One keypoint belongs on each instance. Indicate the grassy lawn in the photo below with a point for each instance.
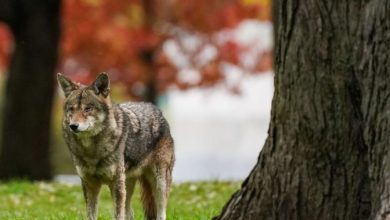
(44, 201)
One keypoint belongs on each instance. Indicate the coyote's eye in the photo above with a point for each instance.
(69, 109)
(88, 109)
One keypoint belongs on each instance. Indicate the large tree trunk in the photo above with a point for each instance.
(328, 113)
(29, 89)
(375, 77)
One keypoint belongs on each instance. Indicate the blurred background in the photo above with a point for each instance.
(206, 64)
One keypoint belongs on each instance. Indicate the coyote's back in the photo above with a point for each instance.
(146, 126)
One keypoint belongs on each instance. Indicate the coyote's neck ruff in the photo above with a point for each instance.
(117, 144)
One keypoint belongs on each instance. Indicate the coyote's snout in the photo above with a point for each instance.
(83, 117)
(117, 145)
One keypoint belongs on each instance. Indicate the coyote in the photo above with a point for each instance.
(116, 145)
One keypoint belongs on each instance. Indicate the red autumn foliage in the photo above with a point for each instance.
(125, 38)
(5, 46)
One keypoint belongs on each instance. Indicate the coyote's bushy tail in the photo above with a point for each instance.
(148, 199)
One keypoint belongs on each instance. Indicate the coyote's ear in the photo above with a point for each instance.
(101, 86)
(66, 84)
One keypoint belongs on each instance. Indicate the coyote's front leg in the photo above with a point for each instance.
(118, 194)
(91, 195)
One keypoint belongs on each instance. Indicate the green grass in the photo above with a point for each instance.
(48, 201)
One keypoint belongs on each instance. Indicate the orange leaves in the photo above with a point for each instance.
(134, 16)
(101, 35)
(265, 63)
(210, 74)
(207, 16)
(6, 46)
(127, 37)
(229, 52)
(259, 9)
(95, 3)
(145, 39)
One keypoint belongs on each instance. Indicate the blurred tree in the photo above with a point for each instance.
(326, 156)
(29, 89)
(5, 46)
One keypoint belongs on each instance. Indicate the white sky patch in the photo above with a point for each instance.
(257, 38)
(189, 75)
(233, 74)
(191, 42)
(255, 33)
(175, 55)
(206, 55)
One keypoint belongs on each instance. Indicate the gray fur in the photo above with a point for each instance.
(116, 145)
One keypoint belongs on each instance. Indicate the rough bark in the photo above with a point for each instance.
(314, 164)
(29, 89)
(375, 79)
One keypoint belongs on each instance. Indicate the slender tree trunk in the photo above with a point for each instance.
(29, 90)
(148, 55)
(314, 164)
(151, 93)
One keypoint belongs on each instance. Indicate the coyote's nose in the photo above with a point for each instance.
(74, 126)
